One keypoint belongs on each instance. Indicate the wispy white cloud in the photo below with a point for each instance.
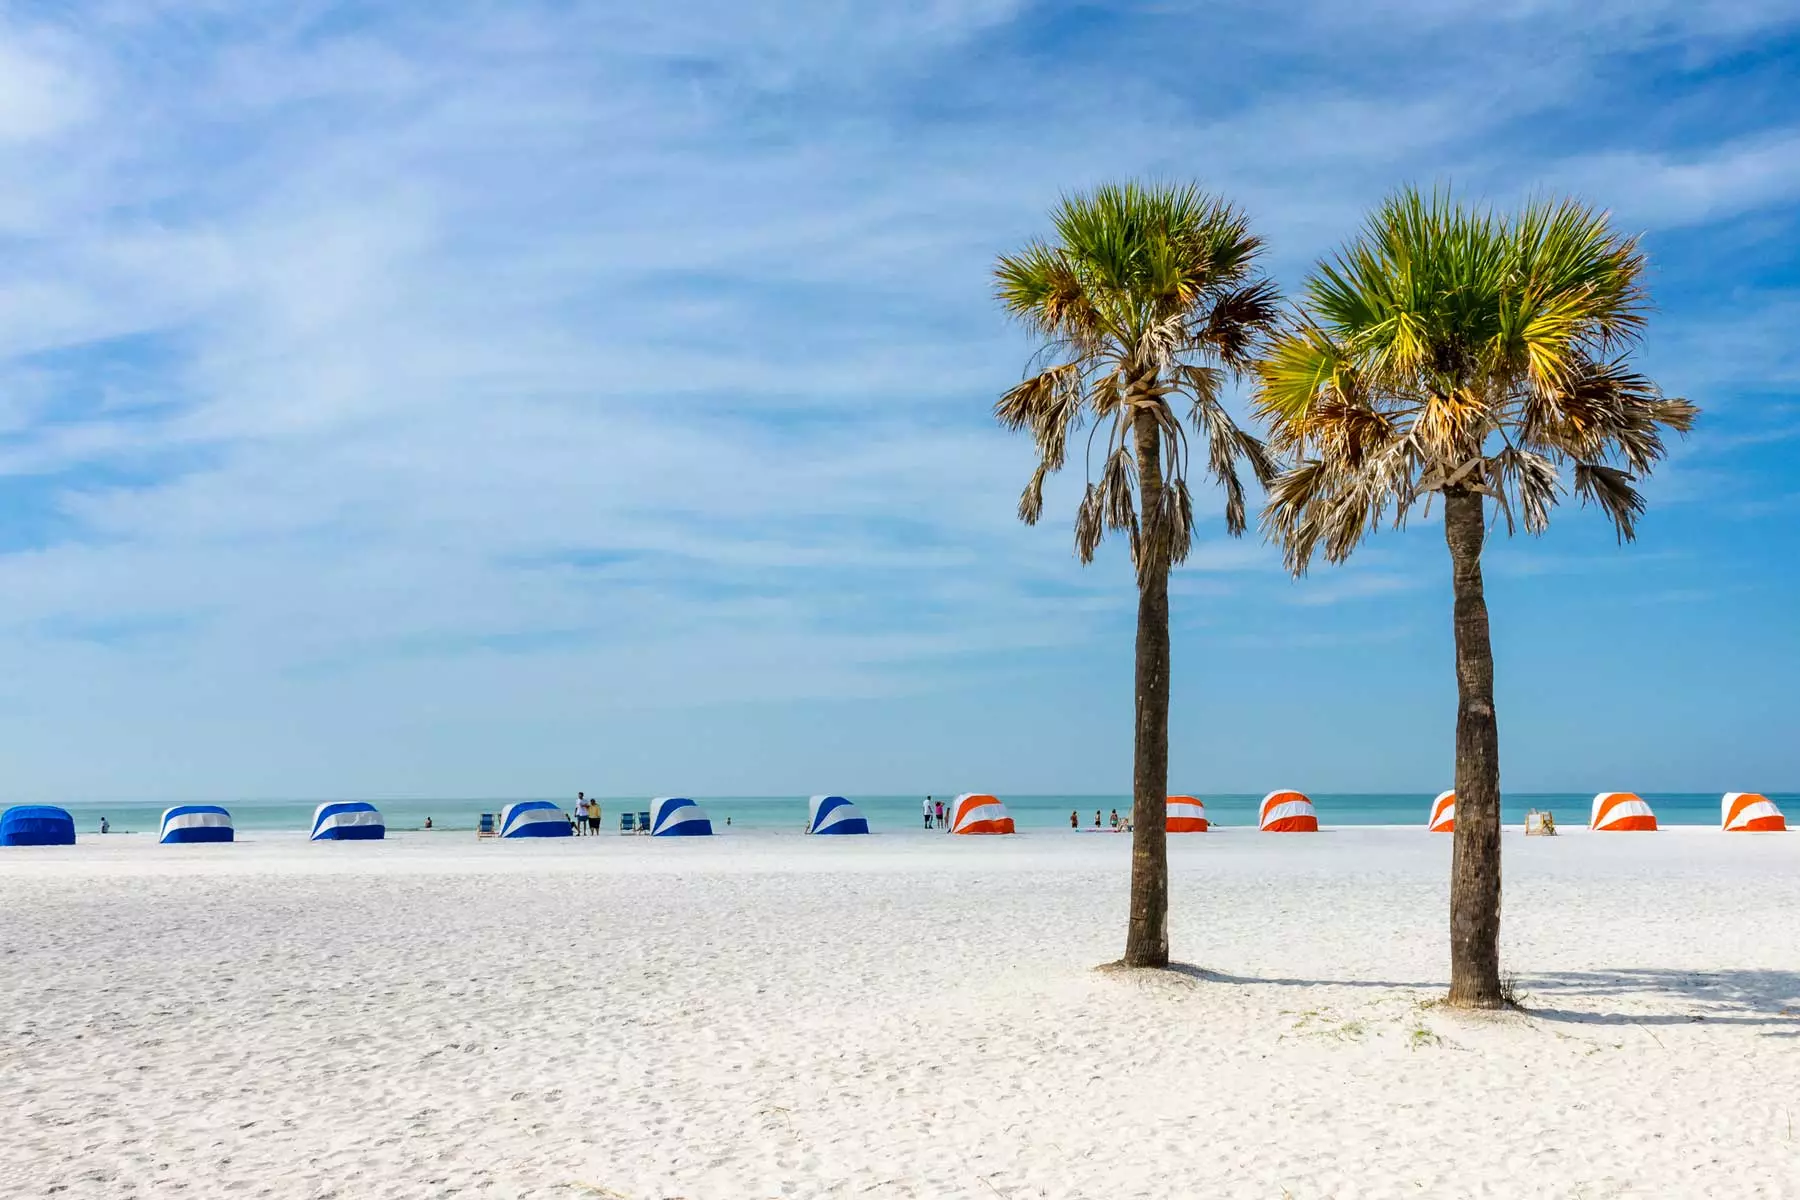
(1671, 188)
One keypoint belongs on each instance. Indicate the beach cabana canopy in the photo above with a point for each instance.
(1288, 812)
(1621, 812)
(677, 816)
(973, 812)
(834, 814)
(534, 818)
(36, 825)
(1749, 812)
(1186, 814)
(195, 823)
(1443, 813)
(347, 821)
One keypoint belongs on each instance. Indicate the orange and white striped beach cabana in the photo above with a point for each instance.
(1288, 812)
(1443, 813)
(1748, 812)
(1621, 812)
(975, 813)
(1187, 815)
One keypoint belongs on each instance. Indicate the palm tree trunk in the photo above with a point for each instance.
(1147, 939)
(1475, 859)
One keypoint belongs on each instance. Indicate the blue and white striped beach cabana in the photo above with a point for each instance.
(834, 814)
(534, 818)
(347, 821)
(677, 816)
(36, 825)
(195, 823)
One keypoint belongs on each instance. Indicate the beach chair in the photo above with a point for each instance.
(627, 823)
(485, 826)
(643, 822)
(1540, 824)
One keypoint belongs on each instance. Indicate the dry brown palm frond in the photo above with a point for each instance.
(1107, 395)
(1226, 441)
(1118, 486)
(1263, 463)
(1222, 450)
(1239, 321)
(1354, 508)
(1563, 422)
(1090, 524)
(1031, 501)
(1163, 342)
(1611, 489)
(1352, 431)
(1177, 520)
(1023, 404)
(1589, 406)
(1533, 479)
(1236, 518)
(1202, 383)
(1451, 421)
(1050, 405)
(1675, 412)
(1292, 494)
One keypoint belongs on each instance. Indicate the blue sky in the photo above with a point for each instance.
(503, 398)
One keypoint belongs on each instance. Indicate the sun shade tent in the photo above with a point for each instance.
(1288, 812)
(347, 821)
(1443, 813)
(834, 814)
(36, 825)
(1621, 812)
(1750, 812)
(1186, 814)
(677, 816)
(976, 813)
(534, 818)
(195, 823)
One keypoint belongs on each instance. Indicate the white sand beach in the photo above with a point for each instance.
(905, 1015)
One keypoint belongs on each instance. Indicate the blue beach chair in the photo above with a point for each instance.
(485, 826)
(643, 822)
(627, 823)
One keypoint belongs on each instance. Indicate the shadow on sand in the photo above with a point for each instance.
(1766, 998)
(1743, 997)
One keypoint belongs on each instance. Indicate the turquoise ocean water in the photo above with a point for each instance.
(901, 813)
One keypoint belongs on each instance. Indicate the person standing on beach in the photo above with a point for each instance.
(1074, 819)
(581, 811)
(1096, 818)
(594, 817)
(928, 812)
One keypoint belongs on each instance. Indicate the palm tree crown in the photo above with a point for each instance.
(1148, 293)
(1447, 347)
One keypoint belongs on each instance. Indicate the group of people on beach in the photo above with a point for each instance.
(587, 815)
(936, 816)
(1119, 824)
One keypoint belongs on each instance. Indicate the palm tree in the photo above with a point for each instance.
(1148, 294)
(1452, 351)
